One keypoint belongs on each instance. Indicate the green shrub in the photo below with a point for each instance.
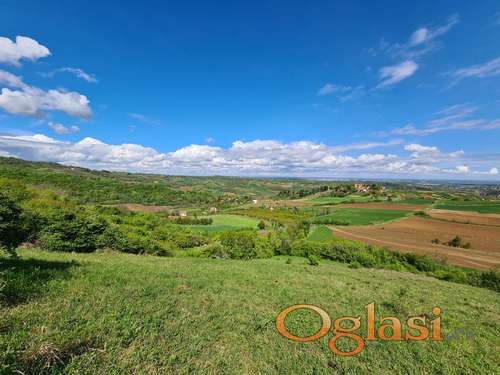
(264, 248)
(14, 228)
(313, 260)
(239, 244)
(73, 231)
(215, 250)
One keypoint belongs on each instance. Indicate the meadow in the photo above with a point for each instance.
(222, 222)
(320, 233)
(111, 313)
(338, 200)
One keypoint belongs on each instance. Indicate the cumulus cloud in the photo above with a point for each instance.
(493, 171)
(390, 75)
(12, 52)
(421, 152)
(32, 101)
(61, 129)
(258, 157)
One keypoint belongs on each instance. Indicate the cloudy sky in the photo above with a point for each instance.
(383, 89)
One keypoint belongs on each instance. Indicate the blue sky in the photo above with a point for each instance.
(296, 88)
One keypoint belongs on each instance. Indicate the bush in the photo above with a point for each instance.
(135, 243)
(13, 225)
(73, 231)
(313, 260)
(215, 250)
(455, 241)
(264, 248)
(239, 244)
(261, 225)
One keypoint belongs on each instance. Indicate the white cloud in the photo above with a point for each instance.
(419, 150)
(493, 171)
(61, 129)
(421, 41)
(331, 88)
(487, 69)
(23, 48)
(390, 75)
(79, 73)
(457, 117)
(258, 157)
(32, 101)
(11, 80)
(144, 119)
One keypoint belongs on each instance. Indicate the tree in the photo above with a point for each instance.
(12, 225)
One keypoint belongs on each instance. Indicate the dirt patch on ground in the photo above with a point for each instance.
(415, 234)
(384, 206)
(466, 217)
(142, 208)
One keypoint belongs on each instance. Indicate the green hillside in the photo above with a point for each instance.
(108, 313)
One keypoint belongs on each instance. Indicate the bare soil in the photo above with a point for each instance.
(466, 217)
(136, 207)
(414, 234)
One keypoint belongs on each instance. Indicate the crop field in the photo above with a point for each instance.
(320, 233)
(338, 200)
(364, 216)
(416, 234)
(421, 201)
(466, 217)
(391, 206)
(227, 222)
(490, 207)
(108, 313)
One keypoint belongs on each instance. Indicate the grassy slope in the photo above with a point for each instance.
(365, 216)
(118, 313)
(320, 233)
(227, 222)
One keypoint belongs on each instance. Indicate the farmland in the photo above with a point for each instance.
(416, 234)
(104, 272)
(490, 207)
(363, 216)
(337, 200)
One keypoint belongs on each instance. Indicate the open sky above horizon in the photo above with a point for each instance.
(273, 88)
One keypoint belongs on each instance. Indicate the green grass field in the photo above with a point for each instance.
(227, 222)
(108, 313)
(491, 207)
(414, 201)
(320, 233)
(339, 200)
(364, 216)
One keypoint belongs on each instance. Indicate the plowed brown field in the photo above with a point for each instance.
(415, 234)
(466, 217)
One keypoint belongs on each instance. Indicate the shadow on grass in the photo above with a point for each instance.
(24, 279)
